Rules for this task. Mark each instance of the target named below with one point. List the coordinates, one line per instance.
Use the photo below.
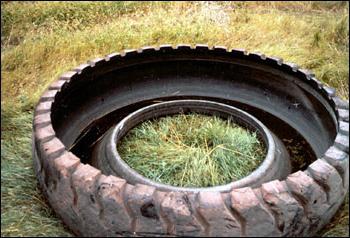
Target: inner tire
(276, 164)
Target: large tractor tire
(77, 112)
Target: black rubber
(289, 107)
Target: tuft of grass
(21, 19)
(24, 211)
(41, 40)
(208, 151)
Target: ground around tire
(42, 40)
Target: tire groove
(128, 208)
(41, 125)
(51, 157)
(169, 226)
(94, 198)
(46, 138)
(98, 200)
(201, 219)
(56, 154)
(38, 112)
(342, 174)
(331, 160)
(325, 188)
(193, 210)
(75, 193)
(301, 201)
(50, 99)
(268, 209)
(234, 213)
(48, 156)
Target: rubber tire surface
(92, 204)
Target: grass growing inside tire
(192, 150)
